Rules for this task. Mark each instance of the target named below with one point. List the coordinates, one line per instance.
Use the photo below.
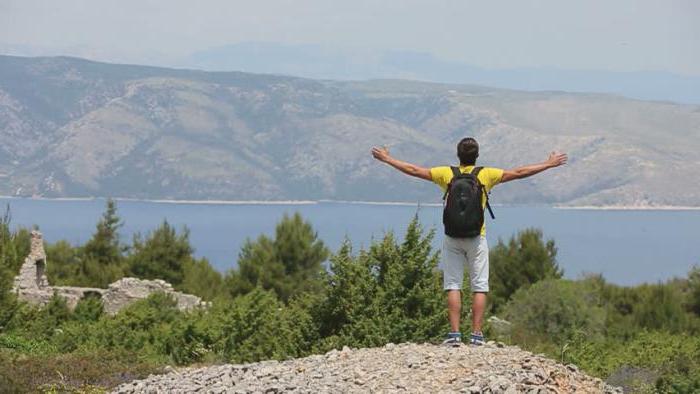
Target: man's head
(467, 151)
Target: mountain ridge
(82, 128)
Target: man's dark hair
(467, 151)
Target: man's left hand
(381, 154)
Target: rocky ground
(406, 367)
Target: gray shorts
(472, 252)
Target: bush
(525, 260)
(39, 323)
(141, 327)
(673, 359)
(661, 308)
(553, 311)
(390, 293)
(89, 309)
(19, 344)
(255, 327)
(188, 340)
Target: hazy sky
(619, 35)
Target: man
(470, 251)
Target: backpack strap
(455, 173)
(475, 172)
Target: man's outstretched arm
(555, 160)
(382, 154)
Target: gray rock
(395, 368)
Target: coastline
(626, 207)
(360, 202)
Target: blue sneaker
(454, 339)
(477, 339)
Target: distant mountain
(316, 61)
(75, 128)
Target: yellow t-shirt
(488, 176)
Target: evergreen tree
(201, 279)
(525, 260)
(7, 257)
(289, 265)
(8, 251)
(390, 293)
(100, 261)
(105, 247)
(162, 255)
(14, 247)
(350, 314)
(64, 266)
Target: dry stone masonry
(31, 285)
(407, 368)
(127, 290)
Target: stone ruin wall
(32, 286)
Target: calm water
(627, 247)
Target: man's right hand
(557, 159)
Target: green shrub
(253, 327)
(389, 293)
(673, 358)
(524, 260)
(89, 309)
(19, 344)
(661, 308)
(553, 311)
(188, 341)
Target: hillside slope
(75, 128)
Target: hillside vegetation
(280, 303)
(75, 128)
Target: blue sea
(627, 247)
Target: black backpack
(463, 214)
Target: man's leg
(478, 257)
(454, 308)
(453, 259)
(478, 308)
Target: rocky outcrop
(409, 367)
(32, 285)
(128, 290)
